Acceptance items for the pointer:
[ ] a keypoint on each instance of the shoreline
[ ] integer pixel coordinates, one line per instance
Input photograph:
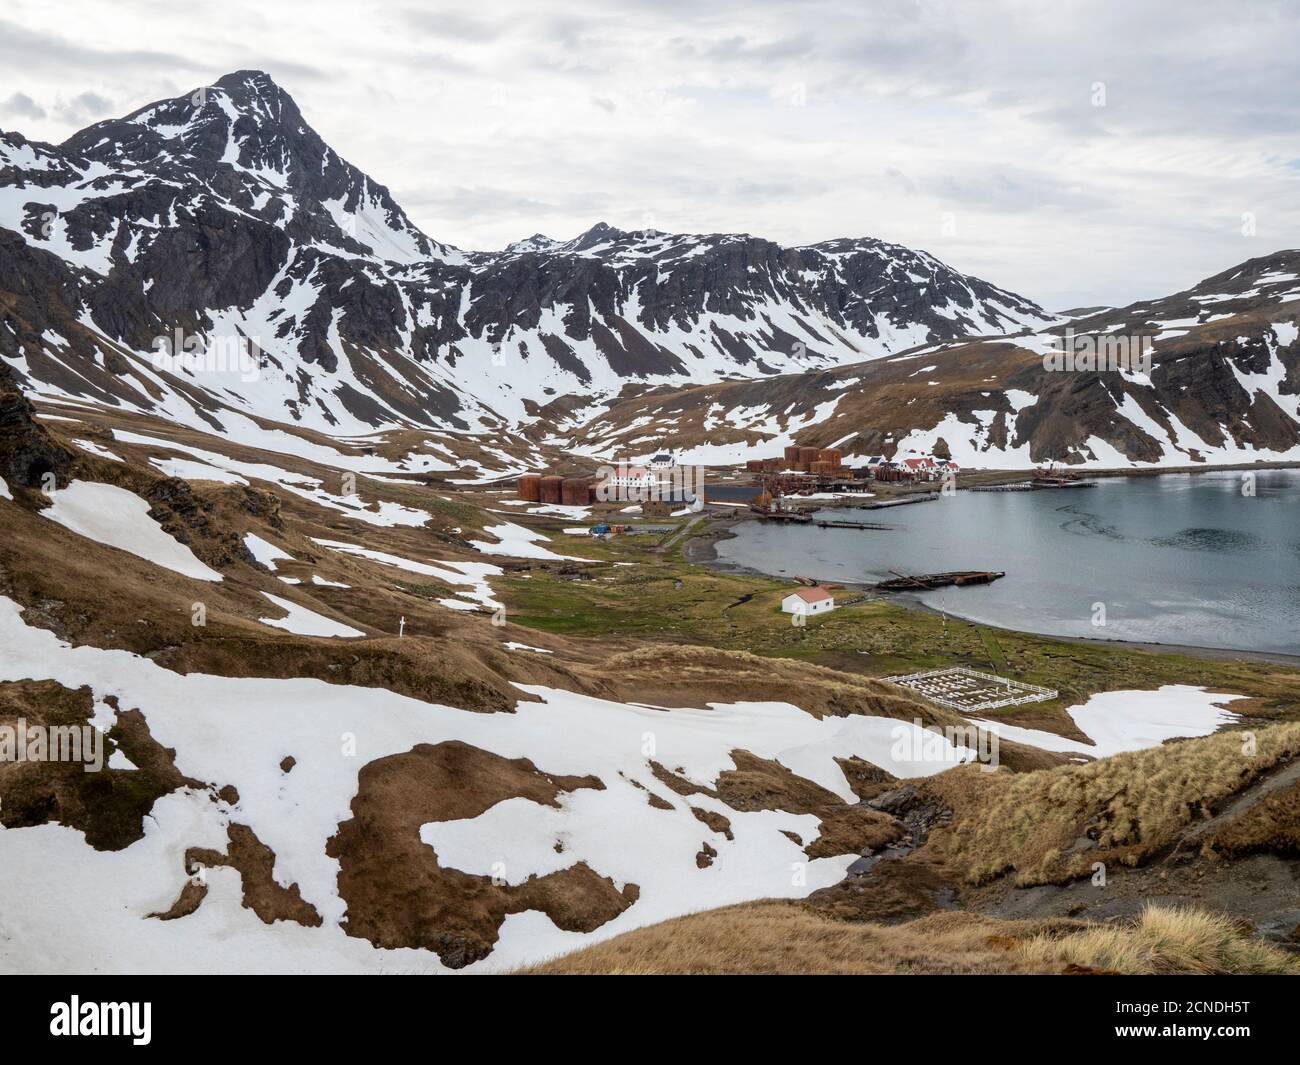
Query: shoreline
(1144, 471)
(978, 478)
(1216, 654)
(700, 550)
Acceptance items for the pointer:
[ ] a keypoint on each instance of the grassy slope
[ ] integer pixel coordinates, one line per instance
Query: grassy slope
(661, 598)
(1052, 825)
(656, 601)
(781, 937)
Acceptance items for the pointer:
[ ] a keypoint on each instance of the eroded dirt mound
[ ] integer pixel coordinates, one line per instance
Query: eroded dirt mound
(763, 784)
(397, 893)
(1210, 822)
(1268, 824)
(255, 862)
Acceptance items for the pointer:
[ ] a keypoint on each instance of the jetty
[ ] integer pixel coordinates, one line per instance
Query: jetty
(902, 582)
(899, 501)
(837, 524)
(1060, 482)
(1038, 484)
(783, 517)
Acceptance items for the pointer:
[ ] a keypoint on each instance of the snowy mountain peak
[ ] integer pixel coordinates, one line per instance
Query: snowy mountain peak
(538, 242)
(222, 213)
(247, 124)
(597, 236)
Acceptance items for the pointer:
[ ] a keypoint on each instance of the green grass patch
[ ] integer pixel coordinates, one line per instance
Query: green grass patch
(662, 598)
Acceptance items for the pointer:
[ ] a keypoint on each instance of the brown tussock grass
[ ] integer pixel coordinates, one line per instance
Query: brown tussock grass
(1051, 825)
(1166, 941)
(779, 938)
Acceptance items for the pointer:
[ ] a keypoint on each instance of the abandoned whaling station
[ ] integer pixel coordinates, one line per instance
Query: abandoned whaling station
(800, 472)
(657, 488)
(661, 487)
(804, 470)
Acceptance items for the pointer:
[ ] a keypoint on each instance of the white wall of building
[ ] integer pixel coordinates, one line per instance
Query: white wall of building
(793, 604)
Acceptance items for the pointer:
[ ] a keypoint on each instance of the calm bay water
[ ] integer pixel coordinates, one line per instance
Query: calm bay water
(1178, 558)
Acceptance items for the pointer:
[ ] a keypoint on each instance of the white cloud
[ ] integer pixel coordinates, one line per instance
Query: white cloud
(20, 105)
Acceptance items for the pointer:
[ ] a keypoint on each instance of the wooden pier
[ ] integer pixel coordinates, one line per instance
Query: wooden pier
(1060, 482)
(794, 517)
(836, 524)
(901, 501)
(787, 517)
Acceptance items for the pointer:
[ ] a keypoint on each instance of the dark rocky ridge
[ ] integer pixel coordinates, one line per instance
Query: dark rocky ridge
(27, 452)
(222, 213)
(1228, 376)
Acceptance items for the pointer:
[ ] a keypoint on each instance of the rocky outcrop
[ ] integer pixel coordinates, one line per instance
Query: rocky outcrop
(29, 456)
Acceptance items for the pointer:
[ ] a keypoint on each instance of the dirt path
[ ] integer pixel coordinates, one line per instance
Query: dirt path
(684, 530)
(1244, 802)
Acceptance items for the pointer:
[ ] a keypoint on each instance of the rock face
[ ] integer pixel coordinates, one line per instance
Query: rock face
(27, 452)
(1222, 385)
(220, 227)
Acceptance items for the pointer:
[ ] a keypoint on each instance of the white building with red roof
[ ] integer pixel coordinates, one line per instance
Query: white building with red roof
(808, 601)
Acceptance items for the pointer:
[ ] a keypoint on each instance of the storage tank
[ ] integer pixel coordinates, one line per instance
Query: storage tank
(530, 487)
(792, 453)
(808, 454)
(831, 455)
(772, 464)
(552, 489)
(573, 492)
(820, 468)
(754, 465)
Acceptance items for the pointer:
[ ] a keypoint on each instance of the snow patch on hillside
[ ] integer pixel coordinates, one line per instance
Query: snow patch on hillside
(303, 622)
(265, 552)
(117, 518)
(518, 542)
(1121, 721)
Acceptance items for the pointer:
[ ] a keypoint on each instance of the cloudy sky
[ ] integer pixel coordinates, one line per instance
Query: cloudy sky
(1079, 153)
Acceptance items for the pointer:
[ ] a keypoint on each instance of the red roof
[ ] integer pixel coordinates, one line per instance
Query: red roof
(812, 595)
(917, 463)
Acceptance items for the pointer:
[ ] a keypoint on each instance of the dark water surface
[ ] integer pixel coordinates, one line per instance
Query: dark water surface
(1178, 558)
